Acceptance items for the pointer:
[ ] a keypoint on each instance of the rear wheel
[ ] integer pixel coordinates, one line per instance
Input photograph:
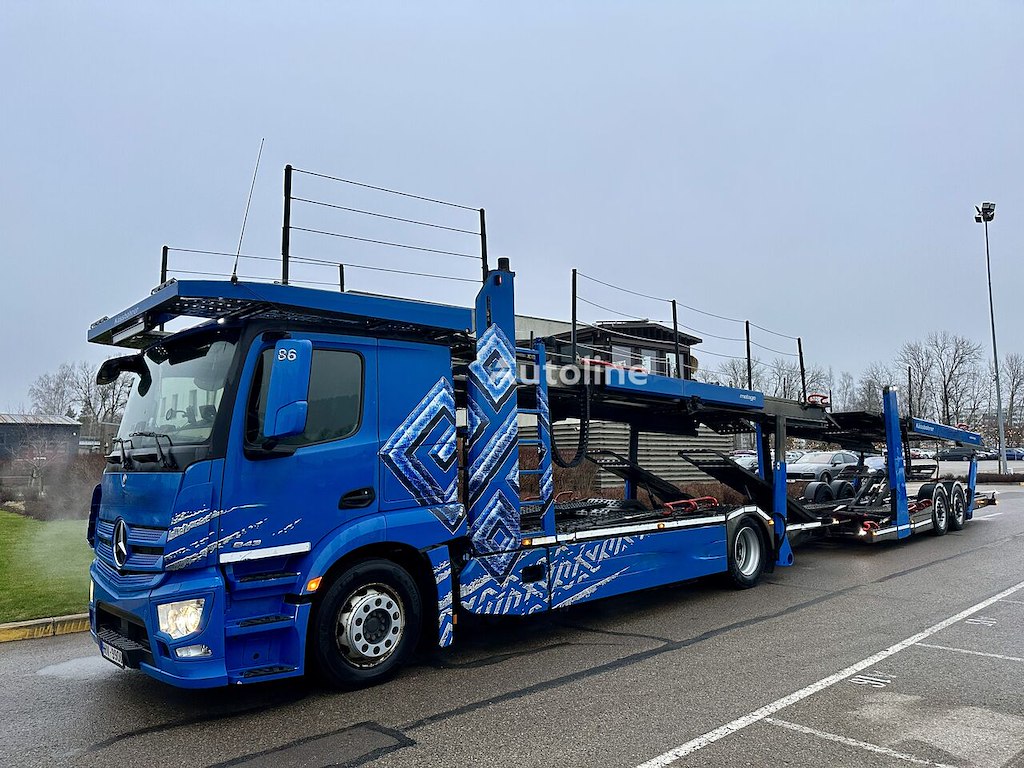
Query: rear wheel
(747, 554)
(367, 625)
(940, 511)
(957, 508)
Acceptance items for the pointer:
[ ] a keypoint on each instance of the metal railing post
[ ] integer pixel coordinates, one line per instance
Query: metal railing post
(675, 338)
(803, 372)
(483, 244)
(573, 334)
(286, 227)
(750, 362)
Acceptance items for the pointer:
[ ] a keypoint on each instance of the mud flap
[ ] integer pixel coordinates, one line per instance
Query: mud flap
(441, 563)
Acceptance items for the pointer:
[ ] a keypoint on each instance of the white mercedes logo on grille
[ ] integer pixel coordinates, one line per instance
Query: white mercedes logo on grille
(120, 543)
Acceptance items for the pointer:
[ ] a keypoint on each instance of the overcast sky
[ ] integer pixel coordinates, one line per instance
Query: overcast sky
(810, 166)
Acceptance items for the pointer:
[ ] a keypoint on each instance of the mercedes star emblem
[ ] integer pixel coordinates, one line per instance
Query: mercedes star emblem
(120, 543)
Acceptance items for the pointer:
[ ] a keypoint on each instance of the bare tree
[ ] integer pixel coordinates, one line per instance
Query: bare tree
(72, 390)
(867, 396)
(1013, 373)
(919, 359)
(53, 394)
(956, 358)
(845, 392)
(733, 373)
(102, 405)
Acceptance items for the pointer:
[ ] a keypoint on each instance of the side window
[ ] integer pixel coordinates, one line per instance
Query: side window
(335, 398)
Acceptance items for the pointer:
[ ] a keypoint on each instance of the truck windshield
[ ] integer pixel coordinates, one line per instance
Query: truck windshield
(180, 396)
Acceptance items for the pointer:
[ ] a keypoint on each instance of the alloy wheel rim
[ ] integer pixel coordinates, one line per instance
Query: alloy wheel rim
(370, 625)
(747, 551)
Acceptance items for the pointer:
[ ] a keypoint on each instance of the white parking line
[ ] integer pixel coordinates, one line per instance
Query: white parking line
(1015, 602)
(854, 743)
(972, 653)
(989, 516)
(669, 757)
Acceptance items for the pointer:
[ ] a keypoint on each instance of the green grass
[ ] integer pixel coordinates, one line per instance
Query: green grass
(44, 567)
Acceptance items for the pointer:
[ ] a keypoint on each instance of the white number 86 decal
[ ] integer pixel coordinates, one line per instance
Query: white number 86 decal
(287, 354)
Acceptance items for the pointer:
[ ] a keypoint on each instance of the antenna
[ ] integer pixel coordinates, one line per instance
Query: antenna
(234, 270)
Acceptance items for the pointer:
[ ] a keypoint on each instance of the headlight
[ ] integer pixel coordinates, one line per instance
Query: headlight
(180, 619)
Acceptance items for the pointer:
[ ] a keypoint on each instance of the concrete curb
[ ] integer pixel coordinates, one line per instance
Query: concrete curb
(36, 628)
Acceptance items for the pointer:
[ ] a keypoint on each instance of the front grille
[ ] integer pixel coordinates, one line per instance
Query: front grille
(127, 582)
(145, 546)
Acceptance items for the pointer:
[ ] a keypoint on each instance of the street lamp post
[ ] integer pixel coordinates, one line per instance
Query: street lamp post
(985, 213)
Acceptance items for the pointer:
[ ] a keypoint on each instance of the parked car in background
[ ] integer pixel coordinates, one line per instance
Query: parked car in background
(748, 462)
(1015, 454)
(794, 456)
(822, 466)
(958, 453)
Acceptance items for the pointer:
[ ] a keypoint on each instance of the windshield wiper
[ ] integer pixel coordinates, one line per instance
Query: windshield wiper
(164, 462)
(126, 462)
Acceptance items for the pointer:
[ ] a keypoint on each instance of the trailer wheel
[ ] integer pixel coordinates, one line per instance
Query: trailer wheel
(957, 508)
(842, 489)
(818, 492)
(940, 511)
(746, 555)
(367, 625)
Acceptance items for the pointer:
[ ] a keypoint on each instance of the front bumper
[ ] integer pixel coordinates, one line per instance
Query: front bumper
(127, 620)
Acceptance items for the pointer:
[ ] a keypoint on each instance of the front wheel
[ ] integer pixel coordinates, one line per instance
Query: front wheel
(367, 625)
(747, 554)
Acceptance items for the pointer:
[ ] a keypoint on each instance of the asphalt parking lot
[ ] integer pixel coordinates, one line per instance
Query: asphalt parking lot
(901, 654)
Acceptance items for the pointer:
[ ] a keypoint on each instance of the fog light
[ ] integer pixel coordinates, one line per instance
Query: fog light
(180, 619)
(193, 652)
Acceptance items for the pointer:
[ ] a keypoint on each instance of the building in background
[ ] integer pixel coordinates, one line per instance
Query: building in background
(642, 343)
(37, 437)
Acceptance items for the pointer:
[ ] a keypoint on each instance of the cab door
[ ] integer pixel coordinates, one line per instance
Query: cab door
(282, 497)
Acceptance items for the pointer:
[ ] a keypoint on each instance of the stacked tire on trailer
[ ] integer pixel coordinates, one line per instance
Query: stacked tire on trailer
(836, 490)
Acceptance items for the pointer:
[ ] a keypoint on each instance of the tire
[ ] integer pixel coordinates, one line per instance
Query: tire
(826, 478)
(957, 508)
(940, 511)
(842, 489)
(747, 553)
(367, 625)
(818, 493)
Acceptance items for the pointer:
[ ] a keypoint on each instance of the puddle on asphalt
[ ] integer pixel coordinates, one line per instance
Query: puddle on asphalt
(84, 668)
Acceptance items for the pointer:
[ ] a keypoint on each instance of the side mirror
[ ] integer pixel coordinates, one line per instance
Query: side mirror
(288, 393)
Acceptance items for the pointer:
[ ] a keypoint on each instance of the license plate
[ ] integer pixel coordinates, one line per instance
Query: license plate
(113, 654)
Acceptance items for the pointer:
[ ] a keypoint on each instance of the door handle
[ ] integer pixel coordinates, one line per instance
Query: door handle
(362, 497)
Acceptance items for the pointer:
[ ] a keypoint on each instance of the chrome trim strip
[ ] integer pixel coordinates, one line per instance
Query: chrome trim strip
(260, 554)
